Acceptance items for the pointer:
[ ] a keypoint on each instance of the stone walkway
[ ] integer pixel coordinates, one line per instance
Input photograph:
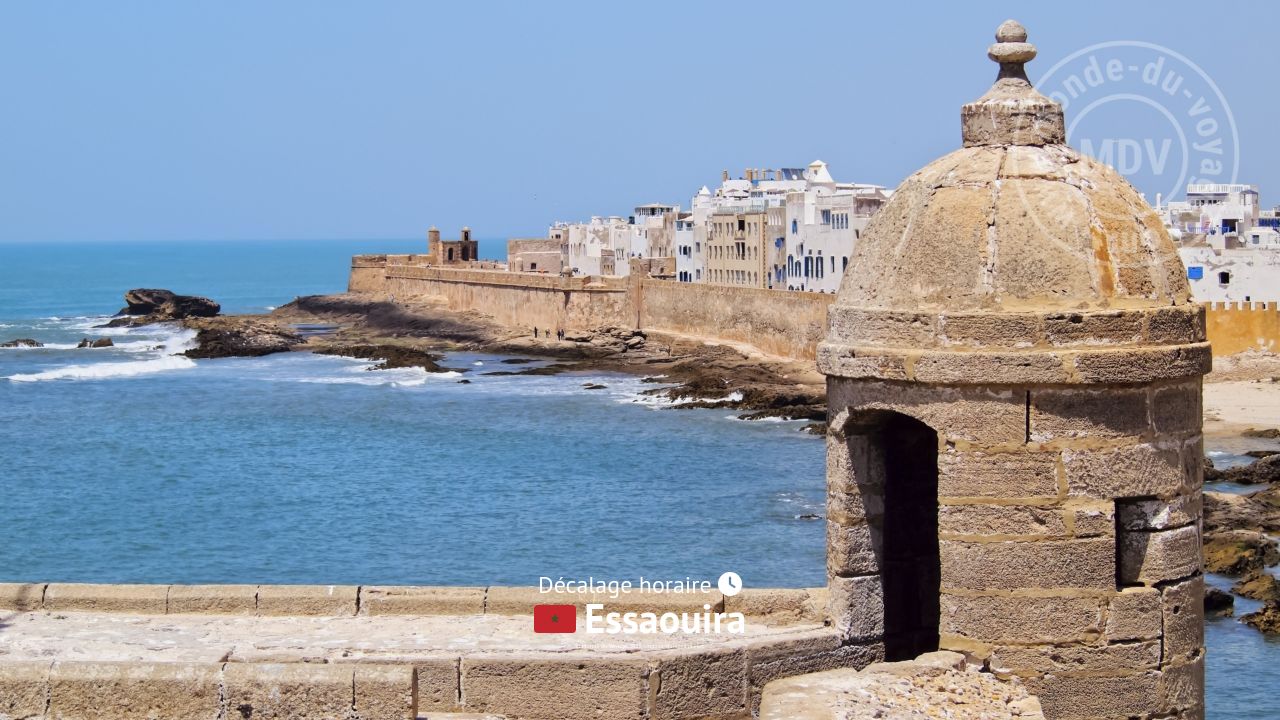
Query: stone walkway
(112, 637)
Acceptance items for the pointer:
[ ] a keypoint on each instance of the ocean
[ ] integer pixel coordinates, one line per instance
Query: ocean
(131, 464)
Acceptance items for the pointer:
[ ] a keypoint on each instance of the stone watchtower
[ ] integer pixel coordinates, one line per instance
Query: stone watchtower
(451, 252)
(1014, 380)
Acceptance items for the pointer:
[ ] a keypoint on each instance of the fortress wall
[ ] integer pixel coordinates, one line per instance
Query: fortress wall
(516, 299)
(776, 321)
(1235, 327)
(368, 274)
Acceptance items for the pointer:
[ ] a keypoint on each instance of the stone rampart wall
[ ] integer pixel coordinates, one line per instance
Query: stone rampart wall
(548, 302)
(783, 323)
(777, 321)
(1235, 327)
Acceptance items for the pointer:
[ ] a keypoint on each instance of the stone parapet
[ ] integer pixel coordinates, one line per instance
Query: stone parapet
(1074, 366)
(773, 606)
(374, 667)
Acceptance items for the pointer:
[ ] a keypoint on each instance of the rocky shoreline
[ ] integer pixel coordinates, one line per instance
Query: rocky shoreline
(690, 373)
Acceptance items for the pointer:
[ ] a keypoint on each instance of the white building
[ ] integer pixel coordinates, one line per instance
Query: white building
(1217, 211)
(824, 222)
(810, 226)
(596, 247)
(690, 263)
(1229, 245)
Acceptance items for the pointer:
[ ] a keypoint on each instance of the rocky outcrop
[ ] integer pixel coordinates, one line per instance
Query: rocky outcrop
(1239, 552)
(1258, 472)
(22, 343)
(1267, 619)
(390, 356)
(99, 343)
(239, 336)
(1258, 586)
(145, 306)
(1217, 602)
(1258, 511)
(166, 305)
(1269, 433)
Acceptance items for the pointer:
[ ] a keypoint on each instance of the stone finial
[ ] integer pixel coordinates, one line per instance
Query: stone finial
(1012, 50)
(1012, 112)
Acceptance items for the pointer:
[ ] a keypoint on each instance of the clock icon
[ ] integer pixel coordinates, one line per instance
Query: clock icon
(730, 584)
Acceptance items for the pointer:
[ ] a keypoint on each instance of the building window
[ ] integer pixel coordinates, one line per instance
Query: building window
(793, 227)
(1224, 278)
(1195, 272)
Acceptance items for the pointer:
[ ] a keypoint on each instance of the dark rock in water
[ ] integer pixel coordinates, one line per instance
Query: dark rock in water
(545, 370)
(146, 306)
(464, 381)
(1271, 433)
(1239, 552)
(1217, 602)
(391, 356)
(1211, 473)
(22, 342)
(809, 516)
(1258, 472)
(144, 301)
(516, 361)
(1267, 619)
(788, 412)
(1259, 511)
(220, 337)
(99, 343)
(819, 429)
(1259, 454)
(1258, 586)
(594, 386)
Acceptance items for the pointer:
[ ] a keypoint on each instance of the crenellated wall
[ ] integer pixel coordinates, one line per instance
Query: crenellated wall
(1235, 327)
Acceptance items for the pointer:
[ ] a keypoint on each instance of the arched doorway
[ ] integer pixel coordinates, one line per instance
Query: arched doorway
(893, 460)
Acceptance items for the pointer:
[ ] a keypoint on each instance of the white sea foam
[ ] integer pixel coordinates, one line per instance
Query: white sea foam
(46, 346)
(657, 402)
(105, 371)
(397, 377)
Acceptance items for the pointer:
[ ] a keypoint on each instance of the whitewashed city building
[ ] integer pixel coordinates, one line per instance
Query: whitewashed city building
(788, 228)
(1230, 246)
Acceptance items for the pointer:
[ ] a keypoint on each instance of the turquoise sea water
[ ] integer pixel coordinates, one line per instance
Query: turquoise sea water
(132, 465)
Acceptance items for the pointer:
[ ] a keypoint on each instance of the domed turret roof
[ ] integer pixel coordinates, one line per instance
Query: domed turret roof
(1015, 220)
(1015, 260)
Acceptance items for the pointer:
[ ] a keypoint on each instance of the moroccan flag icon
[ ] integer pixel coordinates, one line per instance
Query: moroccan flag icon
(555, 619)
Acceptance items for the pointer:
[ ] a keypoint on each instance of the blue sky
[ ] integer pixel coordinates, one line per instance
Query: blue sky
(204, 120)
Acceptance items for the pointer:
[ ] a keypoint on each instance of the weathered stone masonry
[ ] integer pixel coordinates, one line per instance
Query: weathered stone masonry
(1014, 364)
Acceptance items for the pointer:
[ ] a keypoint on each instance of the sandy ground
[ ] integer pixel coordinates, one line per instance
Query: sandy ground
(1234, 406)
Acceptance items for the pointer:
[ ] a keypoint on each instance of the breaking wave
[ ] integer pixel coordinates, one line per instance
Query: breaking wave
(399, 377)
(105, 371)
